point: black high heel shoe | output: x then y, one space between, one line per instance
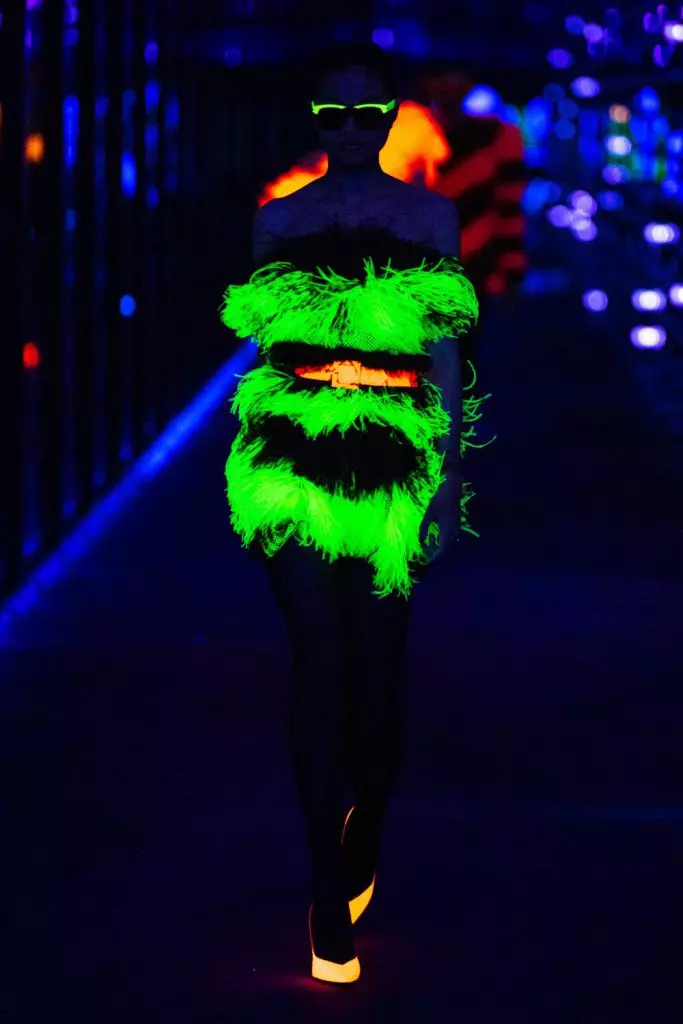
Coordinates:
330 970
360 878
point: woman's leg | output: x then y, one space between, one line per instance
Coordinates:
306 588
377 631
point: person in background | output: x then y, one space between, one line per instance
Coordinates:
485 177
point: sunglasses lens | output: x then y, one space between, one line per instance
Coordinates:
368 117
330 119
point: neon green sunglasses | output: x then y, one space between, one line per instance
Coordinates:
332 116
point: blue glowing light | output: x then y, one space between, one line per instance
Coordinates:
574 24
71 112
674 143
648 100
676 294
151 52
384 37
567 108
129 174
615 175
152 197
70 220
172 116
610 200
565 129
127 305
595 301
538 193
101 106
36 590
152 95
481 100
593 33
559 58
233 56
585 86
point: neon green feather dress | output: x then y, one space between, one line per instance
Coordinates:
347 469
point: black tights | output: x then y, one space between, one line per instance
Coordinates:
345 724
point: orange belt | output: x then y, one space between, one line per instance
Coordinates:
350 373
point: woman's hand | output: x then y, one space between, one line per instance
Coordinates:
440 526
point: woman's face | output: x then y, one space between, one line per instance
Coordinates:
352 145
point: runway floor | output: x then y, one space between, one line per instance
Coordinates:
154 856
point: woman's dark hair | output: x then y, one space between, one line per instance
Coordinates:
341 56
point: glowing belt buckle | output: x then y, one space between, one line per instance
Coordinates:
346 374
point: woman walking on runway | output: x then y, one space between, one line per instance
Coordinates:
344 475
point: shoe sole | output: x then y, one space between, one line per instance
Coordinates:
329 971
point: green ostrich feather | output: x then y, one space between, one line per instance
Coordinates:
266 391
272 503
395 311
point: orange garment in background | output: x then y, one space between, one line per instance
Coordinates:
479 164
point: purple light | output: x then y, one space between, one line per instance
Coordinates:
583 201
559 216
560 58
648 337
585 232
32 4
676 295
661 55
383 37
661 234
650 299
673 31
585 86
650 22
615 175
593 33
595 301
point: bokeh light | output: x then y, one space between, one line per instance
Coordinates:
595 301
648 337
661 234
585 86
651 299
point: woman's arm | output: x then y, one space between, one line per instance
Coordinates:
445 370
